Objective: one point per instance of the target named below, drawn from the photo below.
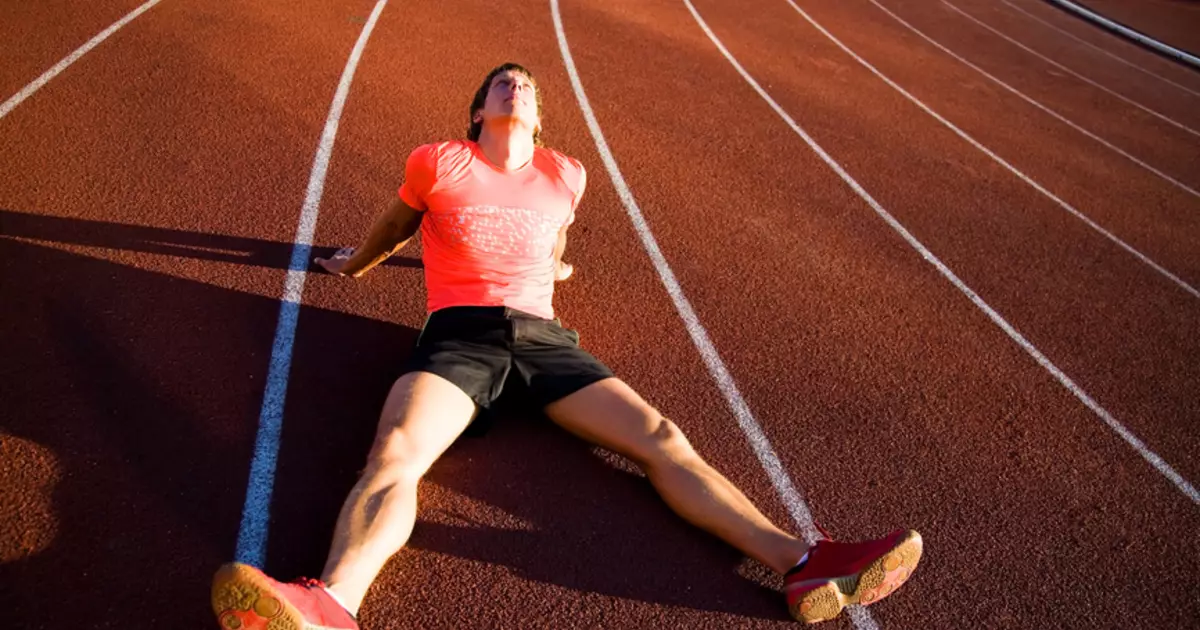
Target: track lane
(1049, 275)
(1161, 144)
(493, 540)
(1060, 56)
(868, 368)
(36, 35)
(1034, 103)
(866, 353)
(1140, 208)
(148, 200)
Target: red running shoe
(244, 598)
(837, 574)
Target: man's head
(509, 93)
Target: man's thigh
(423, 415)
(609, 413)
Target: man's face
(511, 96)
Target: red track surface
(150, 195)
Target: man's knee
(666, 443)
(397, 456)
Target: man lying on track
(493, 213)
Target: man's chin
(511, 121)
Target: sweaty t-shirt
(488, 234)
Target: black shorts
(476, 347)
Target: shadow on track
(144, 390)
(231, 249)
(140, 394)
(597, 525)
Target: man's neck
(509, 149)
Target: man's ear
(477, 116)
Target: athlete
(493, 212)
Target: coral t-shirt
(488, 234)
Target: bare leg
(611, 414)
(423, 415)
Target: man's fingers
(326, 264)
(341, 254)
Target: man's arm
(562, 270)
(391, 231)
(560, 246)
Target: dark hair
(481, 96)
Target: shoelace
(309, 582)
(811, 550)
(315, 583)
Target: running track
(150, 197)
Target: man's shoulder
(442, 149)
(439, 158)
(566, 166)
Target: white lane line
(37, 83)
(1072, 72)
(1012, 169)
(758, 440)
(1171, 51)
(761, 446)
(1101, 50)
(1154, 460)
(1038, 105)
(252, 534)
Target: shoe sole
(244, 599)
(878, 580)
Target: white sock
(342, 603)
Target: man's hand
(337, 263)
(562, 271)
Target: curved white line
(37, 83)
(1102, 51)
(252, 533)
(750, 427)
(1073, 73)
(1152, 458)
(1038, 105)
(1012, 169)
